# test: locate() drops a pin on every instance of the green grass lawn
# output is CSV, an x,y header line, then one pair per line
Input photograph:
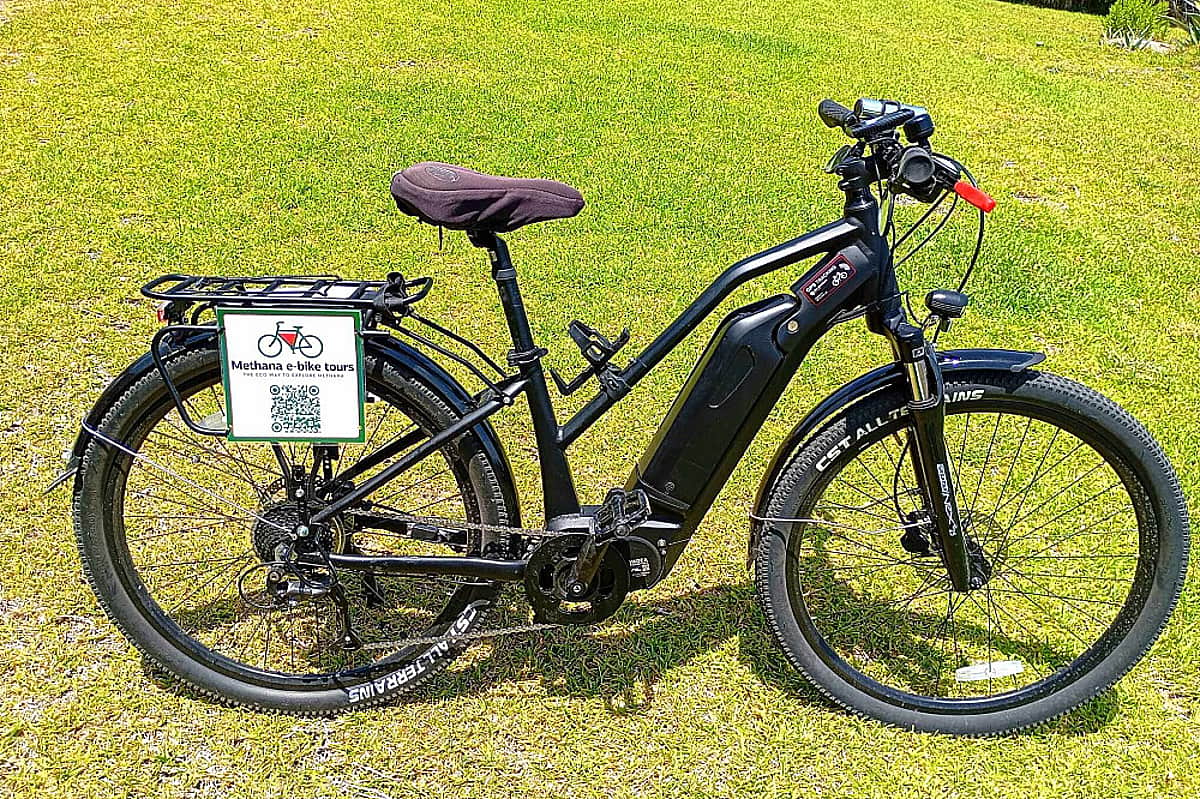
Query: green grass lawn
x,y
228,136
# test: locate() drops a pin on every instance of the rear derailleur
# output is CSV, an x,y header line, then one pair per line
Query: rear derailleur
x,y
290,573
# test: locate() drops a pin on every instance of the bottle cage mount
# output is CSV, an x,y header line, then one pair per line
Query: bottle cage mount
x,y
596,349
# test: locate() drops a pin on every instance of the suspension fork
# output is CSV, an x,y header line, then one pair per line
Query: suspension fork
x,y
931,459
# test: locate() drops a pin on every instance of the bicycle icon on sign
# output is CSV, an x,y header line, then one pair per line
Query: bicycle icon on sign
x,y
271,344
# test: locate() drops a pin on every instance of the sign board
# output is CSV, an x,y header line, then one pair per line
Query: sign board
x,y
292,375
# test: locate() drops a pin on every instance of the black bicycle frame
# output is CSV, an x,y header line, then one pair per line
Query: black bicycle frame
x,y
737,381
740,377
558,486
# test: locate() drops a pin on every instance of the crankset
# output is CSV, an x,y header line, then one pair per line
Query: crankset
x,y
555,595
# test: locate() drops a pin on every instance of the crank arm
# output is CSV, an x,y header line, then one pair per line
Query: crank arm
x,y
934,474
620,514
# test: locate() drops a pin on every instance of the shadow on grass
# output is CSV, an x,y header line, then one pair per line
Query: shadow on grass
x,y
624,661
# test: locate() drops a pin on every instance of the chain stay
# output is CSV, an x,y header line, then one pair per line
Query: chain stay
x,y
470,527
456,524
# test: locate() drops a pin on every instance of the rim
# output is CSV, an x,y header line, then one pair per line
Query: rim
x,y
1058,524
191,545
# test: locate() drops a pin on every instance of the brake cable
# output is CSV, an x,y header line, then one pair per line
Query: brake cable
x,y
937,228
941,224
979,236
928,212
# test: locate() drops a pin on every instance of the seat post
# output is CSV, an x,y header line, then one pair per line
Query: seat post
x,y
558,487
506,284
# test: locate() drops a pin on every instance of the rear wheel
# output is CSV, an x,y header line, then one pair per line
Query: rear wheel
x,y
1075,521
178,532
270,345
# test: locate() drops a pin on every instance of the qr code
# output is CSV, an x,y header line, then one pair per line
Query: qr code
x,y
296,409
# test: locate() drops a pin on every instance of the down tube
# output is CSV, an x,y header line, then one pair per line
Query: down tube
x,y
738,380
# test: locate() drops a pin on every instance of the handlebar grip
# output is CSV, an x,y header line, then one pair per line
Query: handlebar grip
x,y
976,197
833,113
885,122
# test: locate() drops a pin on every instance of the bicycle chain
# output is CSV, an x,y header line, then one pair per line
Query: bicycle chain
x,y
439,521
464,637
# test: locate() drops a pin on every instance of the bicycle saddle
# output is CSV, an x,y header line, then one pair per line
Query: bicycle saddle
x,y
462,199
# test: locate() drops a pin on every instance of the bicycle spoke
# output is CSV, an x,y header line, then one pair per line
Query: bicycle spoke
x,y
983,469
188,438
853,509
899,618
189,529
1050,615
1017,522
1012,463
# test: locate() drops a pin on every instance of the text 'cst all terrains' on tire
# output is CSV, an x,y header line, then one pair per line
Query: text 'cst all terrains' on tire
x,y
1075,524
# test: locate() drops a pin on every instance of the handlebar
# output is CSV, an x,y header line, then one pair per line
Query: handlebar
x,y
915,169
865,130
833,113
873,117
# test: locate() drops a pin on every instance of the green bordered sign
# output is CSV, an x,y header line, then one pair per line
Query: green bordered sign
x,y
292,375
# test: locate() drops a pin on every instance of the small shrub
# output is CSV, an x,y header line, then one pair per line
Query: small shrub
x,y
1191,28
1135,23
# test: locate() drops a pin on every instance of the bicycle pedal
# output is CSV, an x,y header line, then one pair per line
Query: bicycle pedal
x,y
621,512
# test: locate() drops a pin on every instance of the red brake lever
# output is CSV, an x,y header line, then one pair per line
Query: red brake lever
x,y
976,197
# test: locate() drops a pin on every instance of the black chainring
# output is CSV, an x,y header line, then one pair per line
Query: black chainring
x,y
548,573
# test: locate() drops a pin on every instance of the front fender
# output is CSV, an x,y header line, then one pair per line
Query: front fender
x,y
409,362
877,380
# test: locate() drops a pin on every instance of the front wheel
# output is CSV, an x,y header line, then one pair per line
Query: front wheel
x,y
311,347
1075,523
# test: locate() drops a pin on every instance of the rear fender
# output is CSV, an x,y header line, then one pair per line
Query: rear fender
x,y
409,362
113,391
882,378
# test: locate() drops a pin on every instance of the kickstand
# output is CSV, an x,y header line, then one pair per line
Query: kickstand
x,y
373,593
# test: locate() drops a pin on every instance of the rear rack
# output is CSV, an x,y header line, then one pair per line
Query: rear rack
x,y
186,299
318,290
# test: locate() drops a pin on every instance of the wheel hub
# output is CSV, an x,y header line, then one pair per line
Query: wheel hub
x,y
980,564
278,524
